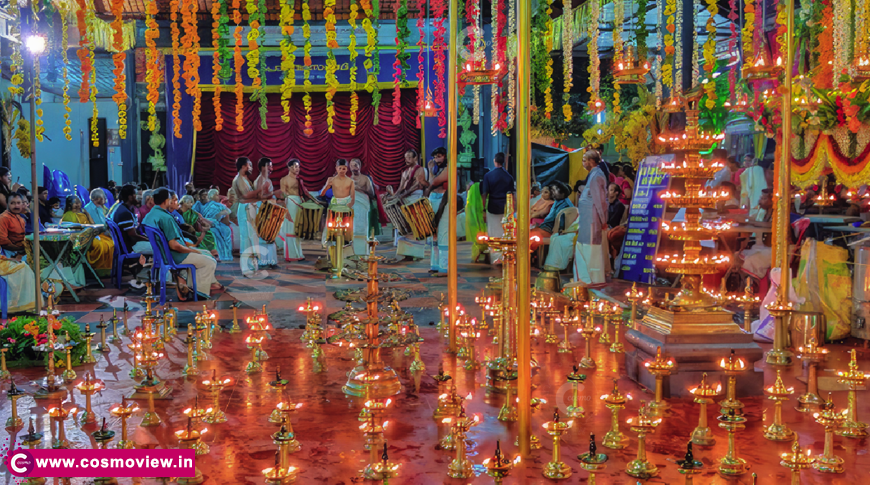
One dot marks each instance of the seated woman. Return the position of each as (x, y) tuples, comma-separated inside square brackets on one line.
[(96, 208), (201, 228), (541, 208), (560, 192), (102, 249), (217, 215), (624, 179), (20, 285)]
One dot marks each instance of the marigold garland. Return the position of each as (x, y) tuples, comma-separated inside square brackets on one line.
[(494, 97), (732, 47), (331, 64), (421, 62), (226, 54), (670, 27), (95, 127), (120, 96), (152, 63), (238, 63), (83, 53), (256, 62), (306, 100), (176, 70), (657, 62), (512, 65), (351, 47), (479, 61), (594, 68), (439, 8), (288, 57), (678, 50), (67, 121), (37, 96), (567, 58), (400, 66), (17, 66), (216, 64), (548, 95), (748, 32), (843, 15), (710, 55), (618, 20), (501, 58), (696, 69)]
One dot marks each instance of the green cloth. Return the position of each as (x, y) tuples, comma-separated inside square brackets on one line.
[(475, 221), (208, 243), (161, 220), (374, 218)]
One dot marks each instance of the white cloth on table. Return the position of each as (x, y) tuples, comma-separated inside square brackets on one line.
[(494, 229), (292, 244), (361, 207), (409, 246)]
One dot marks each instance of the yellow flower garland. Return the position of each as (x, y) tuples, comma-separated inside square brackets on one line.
[(567, 56), (288, 58), (216, 65), (548, 95), (710, 55), (238, 61), (190, 45), (331, 65), (618, 19), (120, 96), (176, 70), (67, 129), (351, 46), (306, 100), (748, 31), (37, 96), (253, 56), (670, 27), (17, 66), (95, 127)]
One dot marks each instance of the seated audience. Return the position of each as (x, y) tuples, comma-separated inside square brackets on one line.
[(45, 216), (199, 225), (102, 249), (12, 225), (6, 186), (56, 209), (615, 215), (733, 202), (541, 208), (560, 193), (20, 283), (217, 215), (535, 193), (180, 252), (724, 174), (96, 208), (756, 260), (122, 215), (145, 205)]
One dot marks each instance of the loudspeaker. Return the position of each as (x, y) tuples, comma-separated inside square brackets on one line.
[(99, 169)]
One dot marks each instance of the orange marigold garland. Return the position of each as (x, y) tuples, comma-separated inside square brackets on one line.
[(95, 127), (190, 48), (351, 46), (37, 96), (710, 54), (306, 100), (17, 66), (288, 57), (67, 121), (747, 32), (176, 70), (216, 63), (238, 62), (331, 64), (152, 63), (120, 96), (83, 53)]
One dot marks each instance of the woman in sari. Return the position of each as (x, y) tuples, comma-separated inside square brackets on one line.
[(217, 215), (541, 208), (200, 226), (102, 248), (475, 222), (96, 208)]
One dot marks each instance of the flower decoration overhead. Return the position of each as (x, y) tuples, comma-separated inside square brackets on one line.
[(67, 121), (732, 46), (152, 63), (747, 34), (17, 66), (401, 64), (372, 62), (238, 62), (567, 58), (331, 64), (120, 96), (306, 100), (596, 105), (421, 62), (439, 8), (511, 94), (548, 95), (618, 20), (288, 57), (256, 65), (351, 47), (83, 53), (670, 29), (176, 69), (710, 54), (216, 64), (37, 96)]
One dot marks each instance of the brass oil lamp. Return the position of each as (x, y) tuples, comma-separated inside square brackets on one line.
[(732, 367), (123, 411), (593, 462), (689, 465), (634, 296), (854, 379), (197, 413), (575, 410), (828, 462), (588, 332), (556, 469), (615, 401), (642, 424), (499, 466), (461, 466), (660, 368), (796, 461), (59, 414), (189, 439), (778, 393), (731, 464), (88, 388), (214, 386), (703, 435), (31, 440), (812, 355), (14, 394)]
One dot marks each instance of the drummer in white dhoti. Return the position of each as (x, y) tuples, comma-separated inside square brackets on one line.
[(440, 241), (247, 197), (343, 193), (591, 257), (268, 252), (411, 187), (364, 195), (294, 194)]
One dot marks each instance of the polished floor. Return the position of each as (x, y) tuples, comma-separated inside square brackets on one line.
[(327, 425)]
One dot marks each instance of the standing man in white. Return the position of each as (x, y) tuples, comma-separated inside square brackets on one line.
[(364, 194), (590, 251), (269, 252)]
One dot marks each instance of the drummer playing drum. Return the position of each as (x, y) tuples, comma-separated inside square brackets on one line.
[(269, 252), (411, 187), (343, 193)]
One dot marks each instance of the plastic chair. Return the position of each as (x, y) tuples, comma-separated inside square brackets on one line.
[(60, 187), (4, 295), (110, 200), (83, 194), (122, 253), (47, 181), (163, 262)]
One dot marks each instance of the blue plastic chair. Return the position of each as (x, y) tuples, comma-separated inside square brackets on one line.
[(110, 200), (61, 186), (163, 262), (47, 181), (122, 252), (83, 194), (4, 296)]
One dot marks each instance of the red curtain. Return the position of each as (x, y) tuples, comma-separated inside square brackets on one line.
[(381, 148)]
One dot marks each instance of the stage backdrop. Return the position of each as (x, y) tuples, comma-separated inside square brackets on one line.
[(381, 148)]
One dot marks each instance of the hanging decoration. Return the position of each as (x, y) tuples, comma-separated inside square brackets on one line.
[(479, 59), (710, 55), (238, 61), (548, 95), (351, 46), (17, 66), (120, 96), (657, 64), (641, 34), (618, 20), (498, 45), (678, 52), (501, 62), (512, 65), (670, 28), (288, 57), (255, 34), (67, 121), (216, 64), (400, 66), (223, 41), (331, 65), (101, 33), (747, 34), (567, 58), (83, 53), (843, 15), (37, 95), (372, 63), (176, 70), (421, 62), (439, 8), (732, 48), (152, 64), (595, 105), (95, 113), (824, 69), (861, 48), (306, 100)]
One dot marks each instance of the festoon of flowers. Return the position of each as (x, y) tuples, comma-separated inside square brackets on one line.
[(372, 63), (351, 47), (510, 53), (496, 32), (732, 47), (594, 69), (152, 64), (421, 62), (501, 60), (37, 96), (747, 34), (83, 53), (548, 94), (238, 62), (306, 100), (17, 66), (696, 69), (843, 14), (67, 121), (400, 65), (618, 20), (176, 69), (439, 8), (95, 112), (710, 54), (120, 96), (216, 64), (657, 62), (261, 93), (678, 50), (288, 57), (478, 60), (670, 29), (255, 71), (226, 54), (567, 58), (331, 64)]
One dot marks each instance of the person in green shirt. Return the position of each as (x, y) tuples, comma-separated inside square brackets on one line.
[(160, 218)]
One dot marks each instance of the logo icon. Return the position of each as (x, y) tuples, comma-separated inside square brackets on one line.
[(21, 463)]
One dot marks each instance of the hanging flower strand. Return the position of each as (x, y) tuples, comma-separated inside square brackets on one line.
[(670, 28), (331, 64), (567, 56), (501, 60), (548, 95), (152, 63), (83, 53), (17, 67), (67, 121), (351, 47), (288, 57), (438, 45), (306, 100), (216, 63), (401, 64), (512, 69), (120, 96), (95, 113), (176, 70), (238, 62), (710, 55), (594, 69), (37, 96), (618, 19), (421, 63), (255, 19)]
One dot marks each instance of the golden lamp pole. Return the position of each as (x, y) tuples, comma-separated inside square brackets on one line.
[(523, 158), (452, 176)]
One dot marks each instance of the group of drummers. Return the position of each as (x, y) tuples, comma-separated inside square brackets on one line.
[(265, 215)]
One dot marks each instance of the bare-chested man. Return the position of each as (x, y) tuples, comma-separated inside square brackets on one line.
[(343, 196), (247, 197), (364, 196), (411, 187), (294, 193), (266, 192)]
